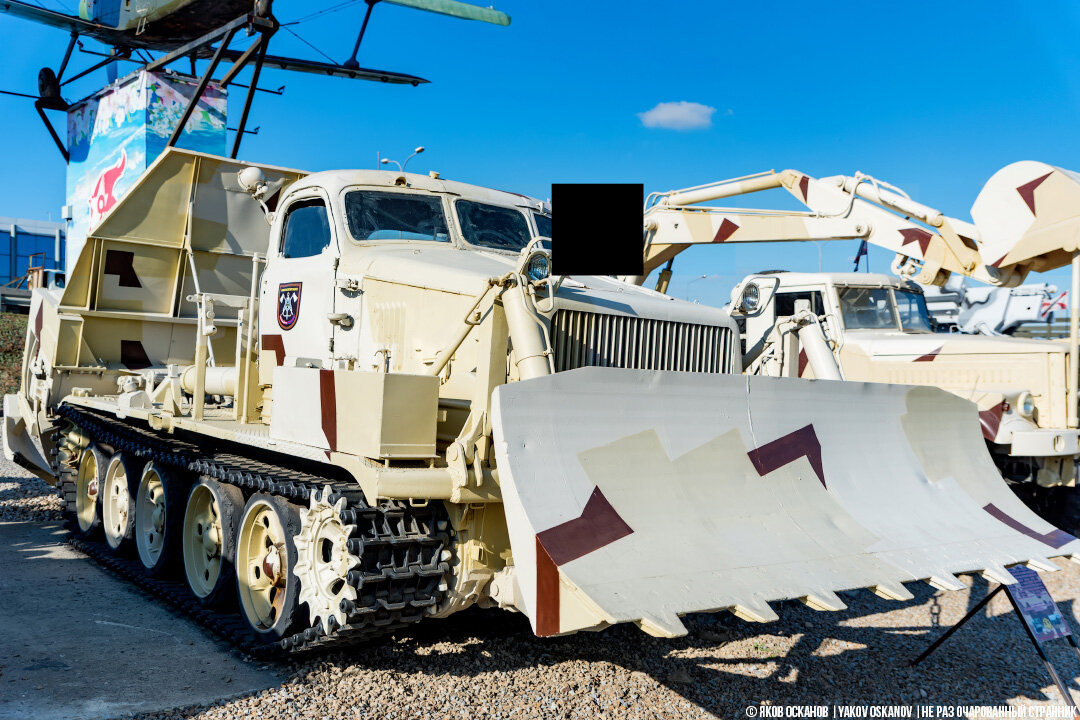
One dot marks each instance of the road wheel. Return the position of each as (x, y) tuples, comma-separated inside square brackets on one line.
[(265, 563), (85, 501), (211, 522), (118, 503), (159, 517)]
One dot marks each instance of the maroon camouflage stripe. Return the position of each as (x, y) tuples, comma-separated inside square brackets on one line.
[(547, 593), (1027, 190), (990, 420), (1055, 538), (929, 357), (122, 264), (782, 451), (328, 406), (598, 525), (133, 355), (276, 345), (917, 235), (727, 229)]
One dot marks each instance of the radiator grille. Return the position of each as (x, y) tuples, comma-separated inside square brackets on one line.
[(581, 339)]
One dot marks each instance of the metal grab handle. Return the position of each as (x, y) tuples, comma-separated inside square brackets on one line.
[(345, 320)]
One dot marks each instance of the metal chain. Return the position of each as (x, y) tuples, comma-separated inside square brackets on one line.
[(935, 611)]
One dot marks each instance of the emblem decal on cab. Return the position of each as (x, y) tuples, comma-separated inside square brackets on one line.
[(288, 305)]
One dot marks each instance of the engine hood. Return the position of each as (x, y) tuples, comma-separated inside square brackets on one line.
[(888, 343), (450, 269)]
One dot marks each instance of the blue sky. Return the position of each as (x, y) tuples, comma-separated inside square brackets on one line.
[(933, 97)]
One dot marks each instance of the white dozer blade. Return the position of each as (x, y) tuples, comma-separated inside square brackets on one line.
[(639, 496)]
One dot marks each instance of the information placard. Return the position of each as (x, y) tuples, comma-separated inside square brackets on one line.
[(1038, 609)]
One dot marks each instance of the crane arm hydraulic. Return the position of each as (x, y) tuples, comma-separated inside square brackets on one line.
[(1027, 218)]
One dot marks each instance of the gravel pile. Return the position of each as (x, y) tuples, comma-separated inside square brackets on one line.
[(26, 497), (488, 664)]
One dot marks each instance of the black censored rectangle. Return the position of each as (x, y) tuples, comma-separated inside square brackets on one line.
[(596, 229)]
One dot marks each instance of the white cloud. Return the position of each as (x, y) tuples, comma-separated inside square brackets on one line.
[(680, 115)]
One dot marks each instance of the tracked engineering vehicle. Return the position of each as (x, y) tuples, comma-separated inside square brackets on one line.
[(355, 400)]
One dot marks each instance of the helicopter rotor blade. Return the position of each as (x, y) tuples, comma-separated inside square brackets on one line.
[(457, 9)]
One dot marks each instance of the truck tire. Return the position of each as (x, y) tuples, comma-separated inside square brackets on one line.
[(118, 502), (211, 523), (265, 558), (160, 501)]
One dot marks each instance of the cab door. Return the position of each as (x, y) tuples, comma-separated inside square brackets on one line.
[(297, 295)]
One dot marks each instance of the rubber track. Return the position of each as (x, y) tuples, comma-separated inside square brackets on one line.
[(400, 579)]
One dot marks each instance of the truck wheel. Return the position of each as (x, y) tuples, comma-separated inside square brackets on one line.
[(265, 562), (85, 503), (211, 521), (118, 503), (159, 518)]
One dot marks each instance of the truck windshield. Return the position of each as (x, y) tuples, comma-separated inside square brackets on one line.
[(914, 317), (867, 308), (493, 226), (543, 224), (374, 215)]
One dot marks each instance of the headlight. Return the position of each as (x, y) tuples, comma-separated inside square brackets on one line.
[(539, 267), (750, 298), (1025, 404)]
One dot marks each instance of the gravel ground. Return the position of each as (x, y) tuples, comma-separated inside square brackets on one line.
[(487, 664), (26, 497)]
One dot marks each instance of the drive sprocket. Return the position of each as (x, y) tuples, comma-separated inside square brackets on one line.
[(324, 561)]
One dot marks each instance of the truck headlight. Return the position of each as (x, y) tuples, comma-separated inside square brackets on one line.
[(1025, 404), (539, 267), (750, 298)]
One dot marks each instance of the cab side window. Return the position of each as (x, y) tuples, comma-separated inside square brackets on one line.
[(785, 302), (307, 230)]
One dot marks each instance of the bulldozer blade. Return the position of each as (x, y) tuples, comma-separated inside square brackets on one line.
[(640, 496)]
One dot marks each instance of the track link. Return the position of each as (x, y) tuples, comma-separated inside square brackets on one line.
[(402, 548)]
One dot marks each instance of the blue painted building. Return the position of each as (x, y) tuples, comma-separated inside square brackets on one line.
[(19, 239)]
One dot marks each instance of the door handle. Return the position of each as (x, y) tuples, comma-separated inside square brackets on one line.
[(345, 320)]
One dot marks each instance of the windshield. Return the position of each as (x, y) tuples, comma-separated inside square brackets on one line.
[(914, 317), (543, 224), (376, 215), (493, 226), (867, 308)]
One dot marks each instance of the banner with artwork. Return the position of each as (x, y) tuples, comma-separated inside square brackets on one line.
[(115, 134)]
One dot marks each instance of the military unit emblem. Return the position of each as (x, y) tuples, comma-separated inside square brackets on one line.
[(288, 304)]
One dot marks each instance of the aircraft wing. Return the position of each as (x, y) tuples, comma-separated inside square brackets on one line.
[(321, 68), (72, 23)]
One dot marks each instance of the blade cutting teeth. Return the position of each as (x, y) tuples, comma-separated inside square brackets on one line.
[(946, 581), (824, 600), (892, 591), (998, 574), (755, 611), (668, 626), (1041, 564)]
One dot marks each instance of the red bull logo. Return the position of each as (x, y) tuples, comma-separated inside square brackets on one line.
[(103, 198)]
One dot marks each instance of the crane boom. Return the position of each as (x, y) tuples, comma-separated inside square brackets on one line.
[(1027, 218)]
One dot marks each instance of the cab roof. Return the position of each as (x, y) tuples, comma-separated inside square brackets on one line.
[(842, 278), (335, 181)]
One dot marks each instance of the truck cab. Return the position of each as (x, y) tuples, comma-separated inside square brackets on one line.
[(879, 330)]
